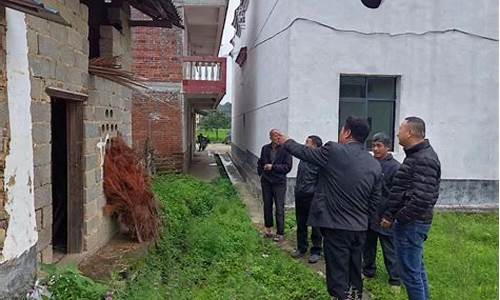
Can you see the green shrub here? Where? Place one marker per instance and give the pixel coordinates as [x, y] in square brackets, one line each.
[68, 284]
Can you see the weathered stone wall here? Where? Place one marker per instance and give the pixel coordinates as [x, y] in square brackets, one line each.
[18, 257]
[58, 57]
[4, 121]
[108, 113]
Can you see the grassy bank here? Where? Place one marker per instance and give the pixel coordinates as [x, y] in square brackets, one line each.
[210, 250]
[461, 257]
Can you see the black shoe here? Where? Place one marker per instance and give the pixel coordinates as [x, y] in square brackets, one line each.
[298, 254]
[394, 282]
[314, 258]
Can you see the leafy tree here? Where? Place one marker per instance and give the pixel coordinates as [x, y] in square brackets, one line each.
[225, 108]
[215, 120]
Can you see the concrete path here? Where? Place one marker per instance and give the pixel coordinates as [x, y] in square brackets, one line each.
[255, 210]
[204, 166]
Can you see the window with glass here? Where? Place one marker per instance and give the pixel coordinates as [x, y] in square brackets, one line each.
[370, 97]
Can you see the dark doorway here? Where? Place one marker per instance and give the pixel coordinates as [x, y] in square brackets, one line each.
[67, 175]
[59, 176]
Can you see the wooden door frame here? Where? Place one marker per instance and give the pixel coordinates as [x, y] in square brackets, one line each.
[74, 137]
[75, 167]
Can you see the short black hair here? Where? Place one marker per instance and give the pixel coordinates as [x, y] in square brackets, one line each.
[316, 140]
[359, 127]
[383, 138]
[417, 126]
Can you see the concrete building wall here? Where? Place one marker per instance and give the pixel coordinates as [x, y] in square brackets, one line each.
[107, 114]
[18, 235]
[261, 85]
[4, 117]
[58, 57]
[54, 56]
[157, 117]
[448, 67]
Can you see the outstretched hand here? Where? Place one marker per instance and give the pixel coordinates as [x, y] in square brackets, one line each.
[281, 137]
[386, 224]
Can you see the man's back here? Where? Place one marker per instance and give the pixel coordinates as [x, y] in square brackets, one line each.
[307, 178]
[349, 185]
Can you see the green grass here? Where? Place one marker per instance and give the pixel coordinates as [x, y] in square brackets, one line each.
[212, 135]
[461, 257]
[210, 250]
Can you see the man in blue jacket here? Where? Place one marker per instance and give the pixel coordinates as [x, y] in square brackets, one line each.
[273, 165]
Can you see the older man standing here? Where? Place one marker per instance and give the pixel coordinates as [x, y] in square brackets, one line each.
[273, 165]
[348, 190]
[414, 193]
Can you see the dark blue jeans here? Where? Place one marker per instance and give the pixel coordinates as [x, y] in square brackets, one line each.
[409, 241]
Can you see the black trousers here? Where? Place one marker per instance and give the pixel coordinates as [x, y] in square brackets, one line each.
[343, 255]
[388, 251]
[274, 193]
[302, 207]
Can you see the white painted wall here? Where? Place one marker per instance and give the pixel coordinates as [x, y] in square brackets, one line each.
[450, 79]
[21, 233]
[260, 87]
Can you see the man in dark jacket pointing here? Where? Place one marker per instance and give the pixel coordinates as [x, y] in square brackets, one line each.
[349, 189]
[414, 193]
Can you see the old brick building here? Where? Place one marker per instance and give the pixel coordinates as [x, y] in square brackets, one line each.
[56, 117]
[186, 77]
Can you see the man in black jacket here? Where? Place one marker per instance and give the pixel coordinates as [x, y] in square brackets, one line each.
[381, 145]
[305, 187]
[273, 165]
[414, 193]
[348, 190]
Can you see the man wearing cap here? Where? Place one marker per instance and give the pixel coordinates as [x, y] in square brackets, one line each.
[381, 145]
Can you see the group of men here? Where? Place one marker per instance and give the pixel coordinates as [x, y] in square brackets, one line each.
[352, 199]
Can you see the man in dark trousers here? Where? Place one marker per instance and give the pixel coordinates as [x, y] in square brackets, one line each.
[381, 145]
[415, 190]
[348, 190]
[305, 187]
[272, 167]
